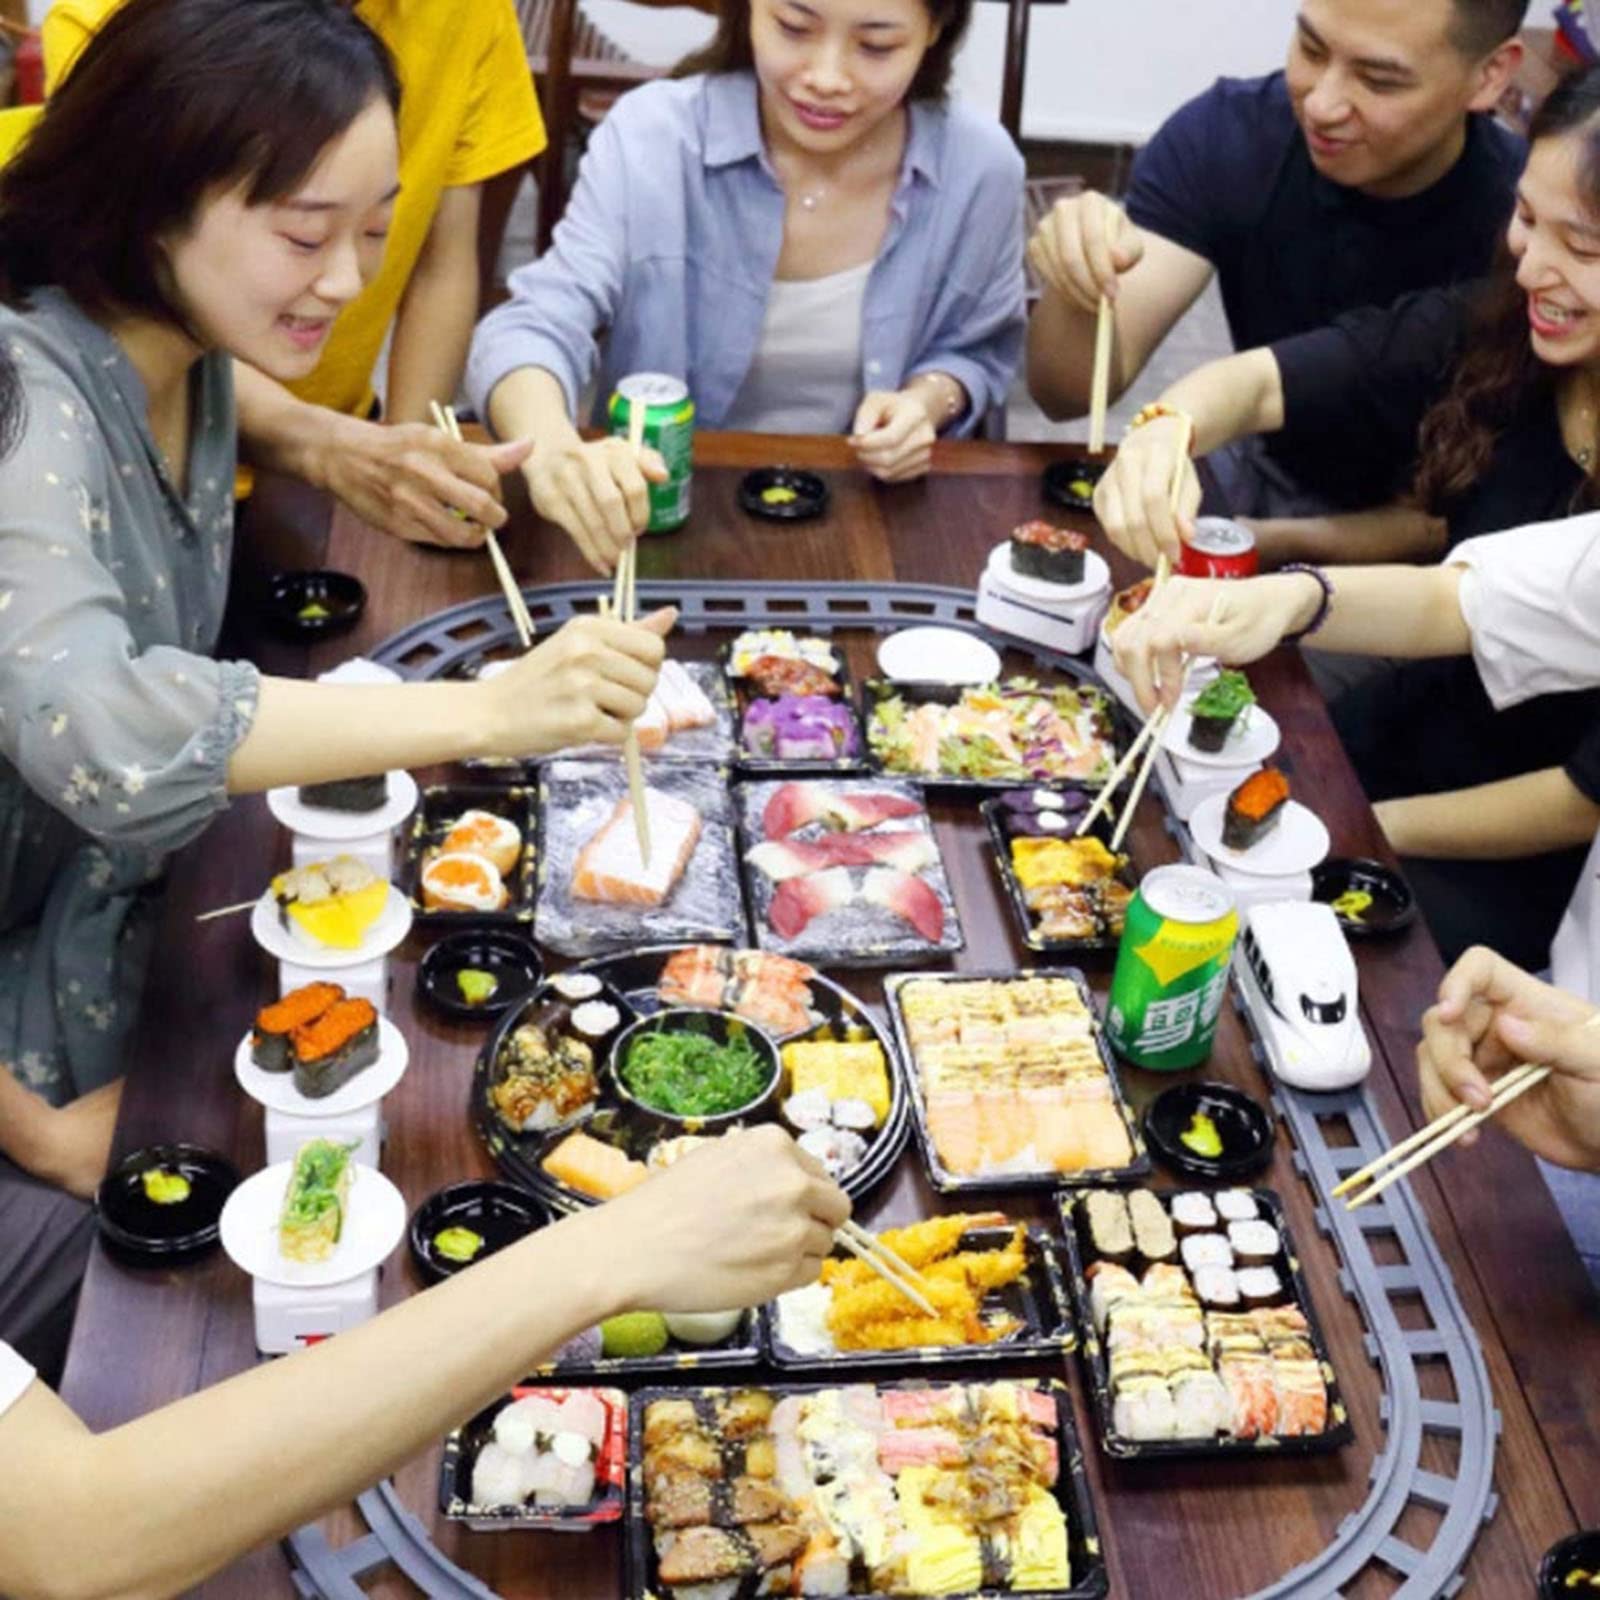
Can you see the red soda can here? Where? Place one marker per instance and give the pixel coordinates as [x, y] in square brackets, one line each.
[1220, 549]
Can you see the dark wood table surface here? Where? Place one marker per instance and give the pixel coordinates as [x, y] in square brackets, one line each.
[1197, 1530]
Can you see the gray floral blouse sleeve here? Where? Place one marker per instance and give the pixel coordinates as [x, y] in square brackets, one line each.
[116, 725]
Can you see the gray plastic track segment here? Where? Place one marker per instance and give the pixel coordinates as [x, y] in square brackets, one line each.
[444, 644]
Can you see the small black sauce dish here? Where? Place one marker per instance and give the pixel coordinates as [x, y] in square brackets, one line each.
[721, 1028]
[498, 1213]
[1369, 899]
[142, 1231]
[314, 605]
[1072, 483]
[783, 494]
[1243, 1125]
[1578, 1552]
[511, 961]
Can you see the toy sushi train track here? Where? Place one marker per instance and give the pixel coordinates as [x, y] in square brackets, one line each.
[445, 644]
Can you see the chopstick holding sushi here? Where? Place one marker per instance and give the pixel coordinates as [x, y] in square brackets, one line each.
[734, 1224]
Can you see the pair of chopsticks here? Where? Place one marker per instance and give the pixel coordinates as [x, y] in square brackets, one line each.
[1439, 1135]
[1148, 741]
[444, 418]
[893, 1269]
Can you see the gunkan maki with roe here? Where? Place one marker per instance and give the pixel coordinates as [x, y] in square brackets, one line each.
[271, 1043]
[1042, 550]
[331, 1050]
[1217, 709]
[1254, 808]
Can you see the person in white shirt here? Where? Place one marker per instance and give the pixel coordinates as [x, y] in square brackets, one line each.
[1526, 605]
[152, 1507]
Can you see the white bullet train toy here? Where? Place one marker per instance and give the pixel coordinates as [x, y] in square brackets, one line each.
[1301, 980]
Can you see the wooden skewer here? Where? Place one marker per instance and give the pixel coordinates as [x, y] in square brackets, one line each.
[894, 1271]
[1442, 1141]
[226, 911]
[445, 419]
[1100, 381]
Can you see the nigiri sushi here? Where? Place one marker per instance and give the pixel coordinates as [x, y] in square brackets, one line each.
[610, 869]
[794, 805]
[907, 849]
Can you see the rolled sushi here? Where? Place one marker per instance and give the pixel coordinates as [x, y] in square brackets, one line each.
[271, 1041]
[348, 794]
[1110, 1227]
[1217, 708]
[1193, 1213]
[1255, 808]
[1152, 1227]
[331, 1050]
[311, 1222]
[1042, 550]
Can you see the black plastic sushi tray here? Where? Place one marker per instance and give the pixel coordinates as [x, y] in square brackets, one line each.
[436, 812]
[947, 1182]
[1086, 1558]
[742, 696]
[630, 982]
[1096, 1359]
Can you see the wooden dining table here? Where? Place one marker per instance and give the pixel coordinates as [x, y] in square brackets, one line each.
[1170, 1530]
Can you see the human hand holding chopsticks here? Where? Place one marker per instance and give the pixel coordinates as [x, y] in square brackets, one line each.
[1083, 247]
[586, 684]
[1176, 622]
[598, 490]
[736, 1222]
[1148, 499]
[1492, 1016]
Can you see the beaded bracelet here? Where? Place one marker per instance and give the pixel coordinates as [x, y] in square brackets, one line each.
[1157, 408]
[1320, 615]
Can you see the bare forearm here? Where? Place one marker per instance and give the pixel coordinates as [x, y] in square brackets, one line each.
[1413, 612]
[309, 1431]
[281, 432]
[312, 732]
[531, 404]
[1524, 816]
[24, 1125]
[1230, 399]
[1061, 340]
[431, 335]
[1359, 538]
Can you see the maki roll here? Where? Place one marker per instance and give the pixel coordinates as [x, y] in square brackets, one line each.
[1237, 1205]
[271, 1042]
[1254, 808]
[462, 880]
[593, 1020]
[1042, 550]
[1217, 1287]
[497, 839]
[576, 985]
[1206, 1250]
[348, 794]
[1217, 708]
[1152, 1227]
[1193, 1213]
[1260, 1286]
[1110, 1227]
[332, 1048]
[312, 1219]
[1255, 1243]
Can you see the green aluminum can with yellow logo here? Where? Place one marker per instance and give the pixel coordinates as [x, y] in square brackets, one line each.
[1172, 969]
[669, 430]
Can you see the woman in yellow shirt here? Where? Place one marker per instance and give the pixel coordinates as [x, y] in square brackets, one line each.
[468, 113]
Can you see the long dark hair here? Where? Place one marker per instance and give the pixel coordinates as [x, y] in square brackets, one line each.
[170, 101]
[729, 49]
[1498, 374]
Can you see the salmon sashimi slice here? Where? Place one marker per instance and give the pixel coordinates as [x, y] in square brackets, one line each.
[610, 869]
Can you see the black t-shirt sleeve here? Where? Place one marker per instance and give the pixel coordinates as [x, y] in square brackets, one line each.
[1174, 188]
[1583, 765]
[1368, 378]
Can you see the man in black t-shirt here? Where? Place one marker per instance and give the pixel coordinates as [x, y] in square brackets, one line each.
[1368, 168]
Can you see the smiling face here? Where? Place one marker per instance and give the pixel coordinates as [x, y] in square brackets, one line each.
[1555, 237]
[1381, 90]
[264, 282]
[832, 71]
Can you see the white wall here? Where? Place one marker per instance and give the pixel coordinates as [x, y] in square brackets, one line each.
[1098, 70]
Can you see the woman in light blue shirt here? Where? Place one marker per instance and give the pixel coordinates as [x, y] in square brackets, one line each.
[802, 229]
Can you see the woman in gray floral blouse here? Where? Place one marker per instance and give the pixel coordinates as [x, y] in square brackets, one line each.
[198, 191]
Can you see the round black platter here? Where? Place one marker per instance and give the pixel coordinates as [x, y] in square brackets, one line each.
[633, 977]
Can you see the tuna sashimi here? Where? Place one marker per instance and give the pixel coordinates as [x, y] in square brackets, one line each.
[797, 902]
[907, 897]
[610, 868]
[794, 805]
[907, 849]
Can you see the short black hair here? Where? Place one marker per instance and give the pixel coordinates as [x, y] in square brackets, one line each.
[170, 101]
[1479, 26]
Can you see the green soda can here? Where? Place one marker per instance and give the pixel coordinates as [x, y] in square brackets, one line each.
[669, 430]
[1172, 969]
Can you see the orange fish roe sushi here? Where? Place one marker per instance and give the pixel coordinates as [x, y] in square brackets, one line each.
[482, 833]
[462, 880]
[1254, 808]
[275, 1024]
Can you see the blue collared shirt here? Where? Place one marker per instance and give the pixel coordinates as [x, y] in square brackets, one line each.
[667, 251]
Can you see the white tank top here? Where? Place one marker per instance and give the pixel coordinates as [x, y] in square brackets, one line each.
[805, 376]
